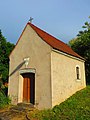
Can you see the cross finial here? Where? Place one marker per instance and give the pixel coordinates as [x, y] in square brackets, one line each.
[30, 20]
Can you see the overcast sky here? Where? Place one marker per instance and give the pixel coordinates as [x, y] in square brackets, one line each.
[61, 18]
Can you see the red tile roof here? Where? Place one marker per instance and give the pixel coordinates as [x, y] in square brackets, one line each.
[54, 42]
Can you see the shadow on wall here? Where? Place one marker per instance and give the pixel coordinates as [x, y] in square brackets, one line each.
[17, 68]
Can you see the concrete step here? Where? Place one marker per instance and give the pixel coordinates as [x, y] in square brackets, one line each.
[22, 107]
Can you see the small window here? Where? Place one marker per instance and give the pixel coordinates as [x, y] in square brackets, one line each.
[78, 72]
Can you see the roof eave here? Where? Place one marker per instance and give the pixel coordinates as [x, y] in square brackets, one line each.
[69, 55]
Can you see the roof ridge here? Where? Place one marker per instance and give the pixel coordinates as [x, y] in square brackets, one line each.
[54, 42]
[46, 32]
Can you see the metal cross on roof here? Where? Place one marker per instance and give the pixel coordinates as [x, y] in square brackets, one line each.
[30, 20]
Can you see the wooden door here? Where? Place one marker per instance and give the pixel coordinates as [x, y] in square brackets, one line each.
[28, 87]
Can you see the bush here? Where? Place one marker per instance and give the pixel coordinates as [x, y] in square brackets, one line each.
[4, 100]
[5, 90]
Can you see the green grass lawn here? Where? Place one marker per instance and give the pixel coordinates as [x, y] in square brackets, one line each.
[77, 107]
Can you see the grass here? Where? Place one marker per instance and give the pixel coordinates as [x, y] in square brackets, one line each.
[77, 107]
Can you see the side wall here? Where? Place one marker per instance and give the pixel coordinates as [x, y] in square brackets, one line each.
[33, 47]
[64, 79]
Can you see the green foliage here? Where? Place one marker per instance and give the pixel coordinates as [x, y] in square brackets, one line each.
[81, 45]
[1, 84]
[5, 49]
[4, 101]
[77, 107]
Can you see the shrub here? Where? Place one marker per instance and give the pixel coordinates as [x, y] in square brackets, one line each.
[4, 100]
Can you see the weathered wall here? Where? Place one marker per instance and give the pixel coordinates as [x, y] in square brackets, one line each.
[63, 77]
[32, 46]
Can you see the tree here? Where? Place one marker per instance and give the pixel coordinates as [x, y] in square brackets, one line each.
[81, 45]
[5, 49]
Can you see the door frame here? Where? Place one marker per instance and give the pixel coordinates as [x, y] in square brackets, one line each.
[20, 82]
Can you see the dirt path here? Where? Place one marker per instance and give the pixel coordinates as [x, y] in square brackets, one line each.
[12, 115]
[16, 113]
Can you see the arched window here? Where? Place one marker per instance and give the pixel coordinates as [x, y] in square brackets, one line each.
[78, 72]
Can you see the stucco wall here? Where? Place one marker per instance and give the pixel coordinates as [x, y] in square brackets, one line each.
[63, 77]
[32, 46]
